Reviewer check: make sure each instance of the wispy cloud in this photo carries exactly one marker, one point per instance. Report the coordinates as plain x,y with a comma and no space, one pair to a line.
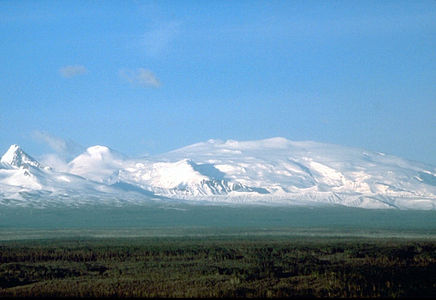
141,77
72,71
64,150
158,38
55,162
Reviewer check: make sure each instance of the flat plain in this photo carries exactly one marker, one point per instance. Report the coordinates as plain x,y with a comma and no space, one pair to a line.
218,266
201,251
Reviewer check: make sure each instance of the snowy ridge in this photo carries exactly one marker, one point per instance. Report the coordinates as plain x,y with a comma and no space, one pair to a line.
96,163
24,182
16,157
182,178
273,171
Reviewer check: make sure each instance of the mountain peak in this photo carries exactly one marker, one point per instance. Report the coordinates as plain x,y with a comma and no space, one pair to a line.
97,163
16,157
270,171
98,150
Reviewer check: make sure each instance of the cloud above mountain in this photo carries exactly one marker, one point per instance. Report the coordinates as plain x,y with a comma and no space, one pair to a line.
72,71
140,77
64,150
159,38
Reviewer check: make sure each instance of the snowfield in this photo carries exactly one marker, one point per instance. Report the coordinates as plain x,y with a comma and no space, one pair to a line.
273,171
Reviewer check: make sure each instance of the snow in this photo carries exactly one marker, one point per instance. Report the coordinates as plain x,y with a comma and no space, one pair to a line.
96,163
16,157
165,175
273,171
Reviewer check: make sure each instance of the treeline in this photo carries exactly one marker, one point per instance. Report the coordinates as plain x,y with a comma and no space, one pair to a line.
219,268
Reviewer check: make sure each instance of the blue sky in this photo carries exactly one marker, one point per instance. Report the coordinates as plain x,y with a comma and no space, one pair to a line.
148,77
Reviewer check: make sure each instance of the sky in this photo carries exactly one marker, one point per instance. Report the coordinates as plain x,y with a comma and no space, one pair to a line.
145,77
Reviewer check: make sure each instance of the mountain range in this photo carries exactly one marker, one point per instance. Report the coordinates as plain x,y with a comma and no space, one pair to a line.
273,171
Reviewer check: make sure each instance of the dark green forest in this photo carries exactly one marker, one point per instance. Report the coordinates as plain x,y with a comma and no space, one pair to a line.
238,266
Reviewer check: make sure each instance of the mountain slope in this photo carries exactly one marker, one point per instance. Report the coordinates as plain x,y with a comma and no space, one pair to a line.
16,157
281,171
24,182
272,171
96,163
183,178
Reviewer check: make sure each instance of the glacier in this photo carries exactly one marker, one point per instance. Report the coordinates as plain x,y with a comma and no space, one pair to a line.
274,171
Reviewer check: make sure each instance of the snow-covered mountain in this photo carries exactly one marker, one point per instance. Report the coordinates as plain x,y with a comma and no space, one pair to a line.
96,163
272,171
15,157
25,182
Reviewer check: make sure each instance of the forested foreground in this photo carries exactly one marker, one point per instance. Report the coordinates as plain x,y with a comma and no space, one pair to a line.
219,267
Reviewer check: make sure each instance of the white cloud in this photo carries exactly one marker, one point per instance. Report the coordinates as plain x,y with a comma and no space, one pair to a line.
159,38
141,77
55,162
64,150
72,71
55,143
